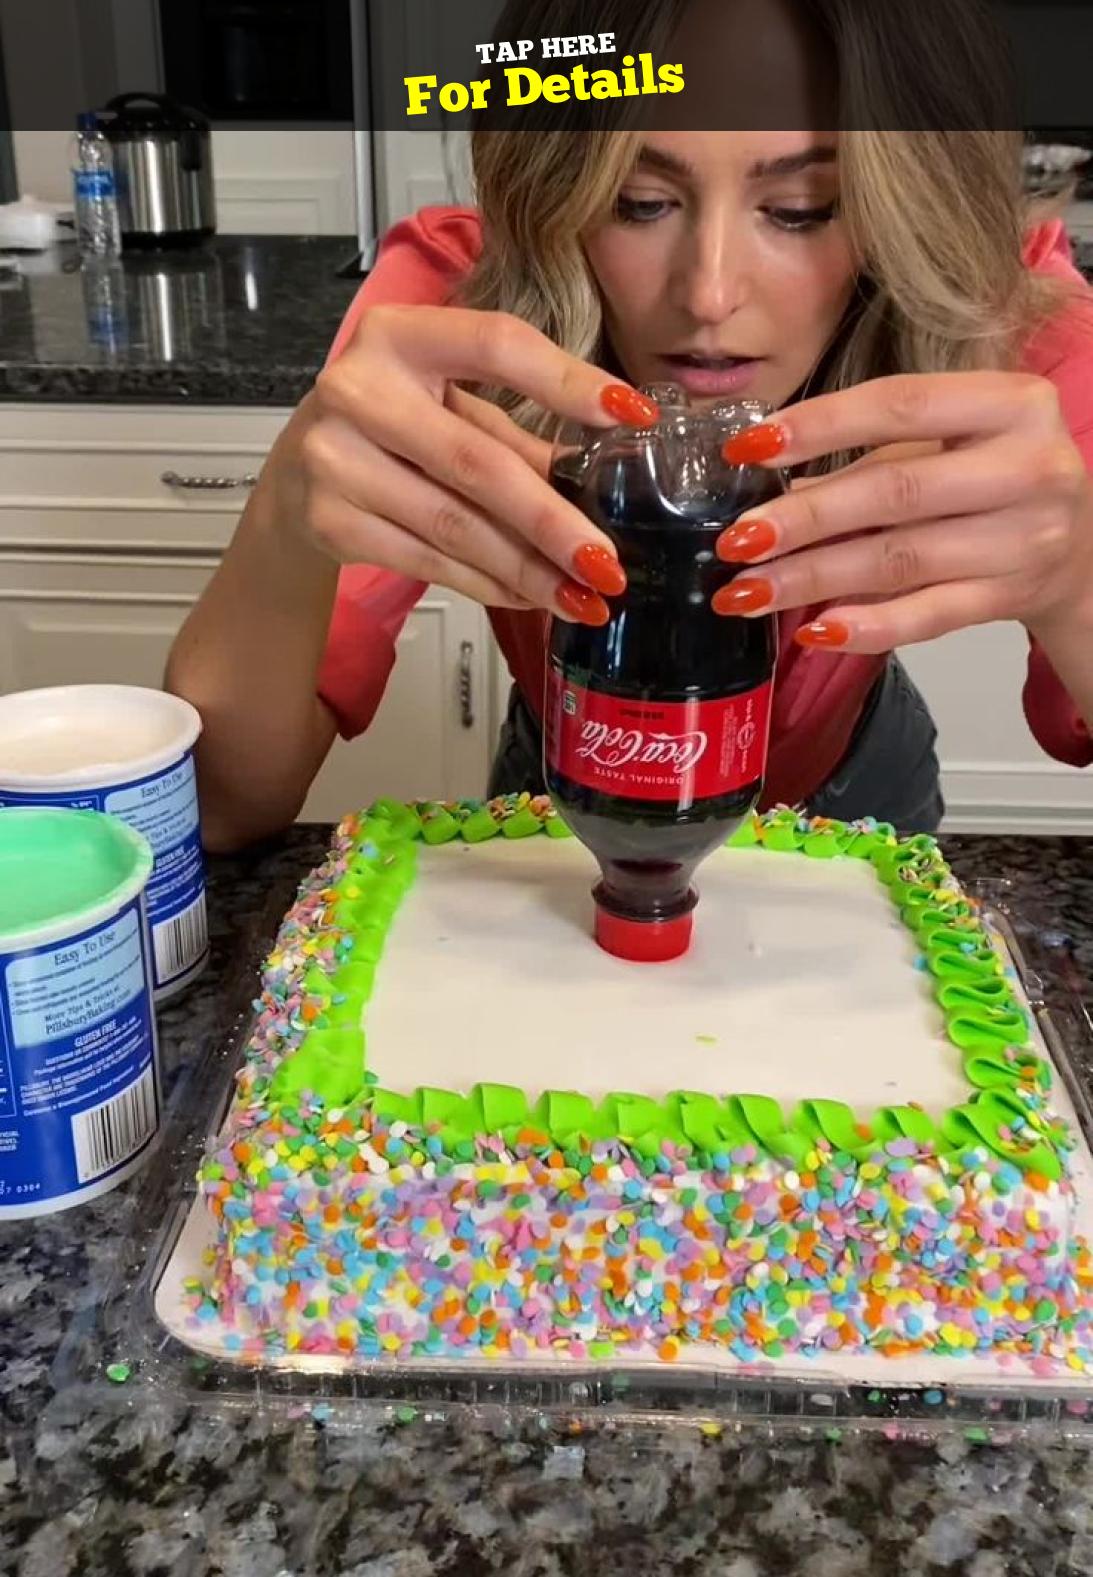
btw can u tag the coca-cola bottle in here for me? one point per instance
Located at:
(656, 724)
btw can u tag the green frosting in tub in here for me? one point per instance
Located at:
(59, 866)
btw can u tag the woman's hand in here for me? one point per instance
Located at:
(403, 470)
(993, 521)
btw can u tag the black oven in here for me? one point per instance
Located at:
(260, 60)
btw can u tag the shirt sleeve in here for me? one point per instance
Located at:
(420, 262)
(1062, 352)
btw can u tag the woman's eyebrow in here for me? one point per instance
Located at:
(792, 163)
(651, 158)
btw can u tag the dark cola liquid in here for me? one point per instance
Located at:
(655, 667)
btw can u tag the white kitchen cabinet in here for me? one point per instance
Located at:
(81, 619)
(100, 561)
(433, 735)
(416, 168)
(286, 182)
(77, 478)
(995, 777)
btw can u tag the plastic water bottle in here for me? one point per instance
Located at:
(104, 292)
(97, 229)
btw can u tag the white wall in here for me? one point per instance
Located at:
(994, 775)
(1079, 220)
(287, 182)
(41, 165)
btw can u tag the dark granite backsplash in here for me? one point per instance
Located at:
(164, 1489)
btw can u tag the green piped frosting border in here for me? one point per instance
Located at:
(982, 1016)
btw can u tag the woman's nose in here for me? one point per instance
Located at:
(711, 278)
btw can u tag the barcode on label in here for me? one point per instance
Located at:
(109, 1134)
(180, 942)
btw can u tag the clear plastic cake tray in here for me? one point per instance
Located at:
(145, 1326)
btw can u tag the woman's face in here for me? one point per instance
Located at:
(724, 266)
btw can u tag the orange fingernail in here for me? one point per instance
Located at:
(743, 596)
(823, 632)
(588, 607)
(624, 404)
(600, 568)
(755, 444)
(749, 540)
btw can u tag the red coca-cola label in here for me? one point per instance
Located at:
(668, 750)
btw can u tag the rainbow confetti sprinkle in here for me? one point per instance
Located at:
(341, 1233)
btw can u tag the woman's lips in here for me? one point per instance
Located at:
(713, 375)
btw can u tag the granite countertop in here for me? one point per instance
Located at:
(169, 1489)
(241, 320)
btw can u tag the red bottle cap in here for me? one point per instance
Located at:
(643, 941)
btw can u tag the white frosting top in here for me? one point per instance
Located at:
(800, 981)
(90, 735)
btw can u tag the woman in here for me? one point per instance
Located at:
(933, 366)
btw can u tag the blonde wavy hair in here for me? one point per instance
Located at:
(935, 218)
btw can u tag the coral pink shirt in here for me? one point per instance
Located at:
(818, 695)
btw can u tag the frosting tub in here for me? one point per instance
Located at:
(79, 1082)
(127, 752)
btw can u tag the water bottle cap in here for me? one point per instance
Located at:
(643, 941)
(87, 120)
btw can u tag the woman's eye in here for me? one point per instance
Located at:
(799, 219)
(641, 210)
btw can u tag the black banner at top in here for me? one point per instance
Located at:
(549, 65)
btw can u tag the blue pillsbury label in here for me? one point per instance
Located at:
(78, 1094)
(163, 807)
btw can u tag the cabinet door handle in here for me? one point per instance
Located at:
(466, 684)
(218, 484)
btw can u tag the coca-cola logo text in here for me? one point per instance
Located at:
(614, 747)
(671, 751)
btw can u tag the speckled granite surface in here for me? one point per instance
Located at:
(92, 1489)
(242, 320)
